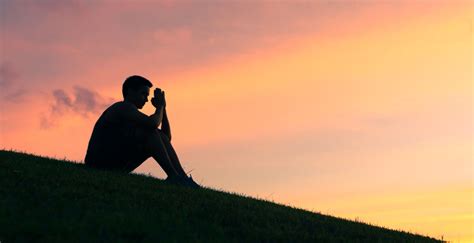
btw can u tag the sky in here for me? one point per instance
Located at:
(357, 109)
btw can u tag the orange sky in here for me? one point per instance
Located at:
(357, 110)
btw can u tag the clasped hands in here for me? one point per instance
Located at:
(159, 98)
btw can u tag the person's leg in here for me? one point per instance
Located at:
(171, 152)
(158, 151)
(164, 154)
(134, 160)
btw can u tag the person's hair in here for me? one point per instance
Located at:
(134, 82)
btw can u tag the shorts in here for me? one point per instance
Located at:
(123, 154)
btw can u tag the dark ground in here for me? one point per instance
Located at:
(51, 200)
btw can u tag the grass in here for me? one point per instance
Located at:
(50, 200)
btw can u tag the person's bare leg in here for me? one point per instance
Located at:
(188, 181)
(172, 153)
(159, 152)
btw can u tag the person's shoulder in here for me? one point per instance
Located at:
(122, 105)
(118, 105)
(114, 107)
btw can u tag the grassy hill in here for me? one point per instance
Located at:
(49, 200)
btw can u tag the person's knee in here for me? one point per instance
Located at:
(154, 137)
(159, 133)
(164, 136)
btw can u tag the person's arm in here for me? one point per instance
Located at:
(165, 125)
(131, 114)
(157, 117)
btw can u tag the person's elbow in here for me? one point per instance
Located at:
(152, 123)
(167, 135)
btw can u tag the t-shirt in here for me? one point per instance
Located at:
(119, 128)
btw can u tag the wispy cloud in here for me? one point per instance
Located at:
(15, 96)
(82, 101)
(9, 76)
(162, 34)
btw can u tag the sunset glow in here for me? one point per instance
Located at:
(356, 110)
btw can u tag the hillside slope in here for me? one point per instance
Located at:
(49, 200)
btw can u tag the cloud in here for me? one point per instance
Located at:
(9, 77)
(172, 36)
(88, 102)
(15, 96)
(63, 102)
(44, 8)
(153, 35)
(83, 102)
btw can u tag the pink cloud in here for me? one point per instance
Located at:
(173, 36)
(83, 102)
(8, 75)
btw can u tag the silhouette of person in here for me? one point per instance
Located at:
(123, 137)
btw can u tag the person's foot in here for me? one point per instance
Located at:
(182, 181)
(190, 182)
(174, 180)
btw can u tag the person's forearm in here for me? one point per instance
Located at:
(157, 117)
(165, 125)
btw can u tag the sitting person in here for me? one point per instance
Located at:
(123, 137)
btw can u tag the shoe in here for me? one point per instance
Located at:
(190, 182)
(182, 181)
(173, 180)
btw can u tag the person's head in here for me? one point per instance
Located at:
(135, 89)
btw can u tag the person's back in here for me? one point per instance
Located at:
(114, 137)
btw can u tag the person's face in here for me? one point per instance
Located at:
(139, 97)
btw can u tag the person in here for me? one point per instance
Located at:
(123, 137)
